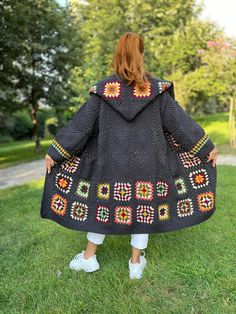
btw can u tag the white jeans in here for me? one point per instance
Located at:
(139, 241)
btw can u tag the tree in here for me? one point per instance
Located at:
(38, 56)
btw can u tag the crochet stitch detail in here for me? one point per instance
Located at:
(129, 164)
(60, 149)
(141, 92)
(199, 144)
(112, 89)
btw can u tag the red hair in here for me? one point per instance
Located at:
(128, 62)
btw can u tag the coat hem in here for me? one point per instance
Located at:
(160, 229)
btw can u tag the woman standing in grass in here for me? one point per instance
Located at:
(130, 161)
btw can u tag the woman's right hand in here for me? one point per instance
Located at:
(49, 162)
(212, 156)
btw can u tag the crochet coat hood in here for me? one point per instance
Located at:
(123, 103)
(129, 161)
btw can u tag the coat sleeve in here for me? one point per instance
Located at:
(190, 135)
(74, 135)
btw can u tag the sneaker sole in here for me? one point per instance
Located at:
(87, 271)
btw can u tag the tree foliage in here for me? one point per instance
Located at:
(51, 55)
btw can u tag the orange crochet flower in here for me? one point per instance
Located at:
(199, 178)
(112, 89)
(63, 183)
(206, 201)
(142, 91)
(58, 204)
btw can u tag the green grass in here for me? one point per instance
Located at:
(217, 126)
(189, 271)
(20, 151)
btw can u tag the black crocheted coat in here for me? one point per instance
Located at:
(130, 160)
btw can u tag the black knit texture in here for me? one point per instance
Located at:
(130, 161)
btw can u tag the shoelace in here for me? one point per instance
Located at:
(78, 255)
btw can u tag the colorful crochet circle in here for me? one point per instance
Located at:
(188, 160)
(83, 188)
(122, 191)
(112, 90)
(123, 215)
(142, 91)
(144, 190)
(185, 207)
(70, 165)
(145, 214)
(103, 190)
(58, 204)
(180, 186)
(205, 201)
(79, 211)
(63, 182)
(199, 178)
(102, 214)
(163, 211)
(162, 188)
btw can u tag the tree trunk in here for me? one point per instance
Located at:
(232, 133)
(33, 114)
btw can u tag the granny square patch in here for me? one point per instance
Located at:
(172, 141)
(102, 213)
(103, 190)
(93, 89)
(79, 211)
(142, 91)
(145, 214)
(63, 182)
(163, 211)
(180, 186)
(83, 188)
(58, 204)
(71, 165)
(123, 215)
(144, 190)
(122, 191)
(162, 188)
(189, 160)
(205, 201)
(199, 178)
(163, 85)
(112, 89)
(185, 207)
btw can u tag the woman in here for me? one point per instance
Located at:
(130, 161)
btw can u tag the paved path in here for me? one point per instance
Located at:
(25, 172)
(22, 173)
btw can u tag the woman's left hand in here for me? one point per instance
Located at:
(91, 90)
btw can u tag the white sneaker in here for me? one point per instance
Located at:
(136, 270)
(80, 263)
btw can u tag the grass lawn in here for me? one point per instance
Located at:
(20, 151)
(216, 125)
(189, 271)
